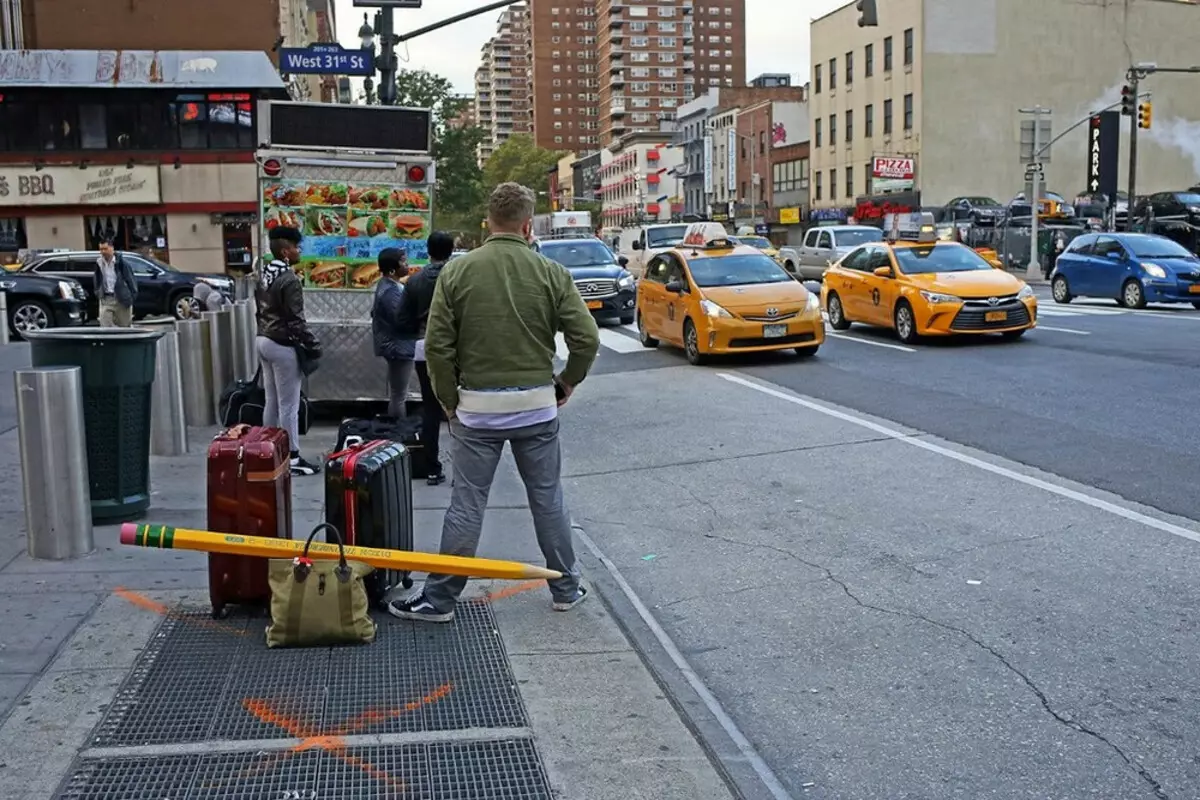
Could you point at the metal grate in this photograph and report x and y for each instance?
(493, 770)
(200, 680)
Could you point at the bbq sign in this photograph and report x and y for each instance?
(1103, 141)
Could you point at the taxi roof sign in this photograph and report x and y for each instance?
(707, 235)
(918, 226)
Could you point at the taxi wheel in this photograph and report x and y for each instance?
(837, 314)
(691, 344)
(646, 339)
(905, 322)
(1132, 295)
(1060, 290)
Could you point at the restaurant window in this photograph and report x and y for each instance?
(236, 232)
(144, 233)
(57, 126)
(12, 239)
(93, 127)
(21, 125)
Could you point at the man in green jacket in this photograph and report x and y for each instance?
(489, 349)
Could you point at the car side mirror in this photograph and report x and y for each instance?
(883, 272)
(676, 287)
(637, 245)
(622, 260)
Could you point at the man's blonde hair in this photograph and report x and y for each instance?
(510, 205)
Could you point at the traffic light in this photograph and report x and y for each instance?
(1128, 100)
(1144, 115)
(868, 17)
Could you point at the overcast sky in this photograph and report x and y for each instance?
(775, 42)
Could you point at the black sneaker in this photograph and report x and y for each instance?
(567, 605)
(418, 609)
(303, 467)
(436, 479)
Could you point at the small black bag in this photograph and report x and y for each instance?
(405, 430)
(243, 403)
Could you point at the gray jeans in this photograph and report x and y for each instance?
(282, 384)
(399, 377)
(475, 454)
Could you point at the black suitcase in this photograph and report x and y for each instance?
(406, 431)
(368, 497)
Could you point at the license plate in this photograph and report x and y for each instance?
(995, 316)
(595, 304)
(1194, 288)
(774, 331)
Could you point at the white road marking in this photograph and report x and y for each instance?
(1054, 312)
(619, 341)
(1093, 310)
(631, 327)
(756, 762)
(1063, 330)
(962, 458)
(848, 338)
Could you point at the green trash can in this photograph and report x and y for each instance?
(118, 375)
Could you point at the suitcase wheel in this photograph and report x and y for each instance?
(220, 612)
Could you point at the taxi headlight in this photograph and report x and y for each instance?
(937, 297)
(625, 282)
(1154, 270)
(713, 310)
(1025, 293)
(813, 304)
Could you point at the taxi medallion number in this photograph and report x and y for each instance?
(1194, 288)
(995, 316)
(595, 304)
(774, 331)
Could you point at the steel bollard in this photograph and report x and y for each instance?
(245, 330)
(168, 423)
(54, 463)
(3, 318)
(195, 367)
(221, 334)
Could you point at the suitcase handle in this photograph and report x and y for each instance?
(302, 564)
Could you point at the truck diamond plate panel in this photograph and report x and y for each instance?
(488, 770)
(200, 680)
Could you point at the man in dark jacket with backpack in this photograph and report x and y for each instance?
(414, 313)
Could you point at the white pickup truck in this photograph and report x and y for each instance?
(647, 241)
(825, 245)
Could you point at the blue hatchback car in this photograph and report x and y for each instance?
(1131, 268)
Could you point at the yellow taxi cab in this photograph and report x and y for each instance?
(711, 296)
(919, 286)
(762, 243)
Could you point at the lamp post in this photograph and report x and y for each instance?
(366, 38)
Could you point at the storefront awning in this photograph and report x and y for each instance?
(129, 69)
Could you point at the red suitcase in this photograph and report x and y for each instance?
(249, 493)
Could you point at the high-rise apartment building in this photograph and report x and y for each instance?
(502, 82)
(564, 83)
(655, 55)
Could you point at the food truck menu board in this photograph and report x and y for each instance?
(346, 225)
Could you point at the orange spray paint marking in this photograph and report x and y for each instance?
(509, 591)
(155, 607)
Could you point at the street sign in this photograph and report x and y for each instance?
(325, 59)
(1103, 142)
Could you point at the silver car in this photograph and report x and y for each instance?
(825, 245)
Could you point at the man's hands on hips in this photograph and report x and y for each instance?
(567, 390)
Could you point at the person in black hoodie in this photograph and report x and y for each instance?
(286, 346)
(414, 313)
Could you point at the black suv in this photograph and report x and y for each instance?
(1170, 206)
(36, 303)
(162, 289)
(600, 275)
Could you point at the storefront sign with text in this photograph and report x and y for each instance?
(72, 186)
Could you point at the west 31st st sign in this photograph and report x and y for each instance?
(325, 59)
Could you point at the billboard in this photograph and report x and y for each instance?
(893, 174)
(731, 163)
(708, 164)
(789, 123)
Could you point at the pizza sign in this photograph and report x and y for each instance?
(899, 169)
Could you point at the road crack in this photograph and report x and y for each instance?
(1058, 717)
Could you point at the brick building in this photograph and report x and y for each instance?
(762, 129)
(502, 100)
(563, 84)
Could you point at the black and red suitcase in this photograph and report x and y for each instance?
(250, 494)
(368, 497)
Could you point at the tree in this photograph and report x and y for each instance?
(520, 160)
(460, 190)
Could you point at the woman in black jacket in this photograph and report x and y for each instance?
(286, 347)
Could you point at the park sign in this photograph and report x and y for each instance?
(325, 59)
(1103, 141)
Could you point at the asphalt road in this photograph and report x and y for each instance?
(883, 596)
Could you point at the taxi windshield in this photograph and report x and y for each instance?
(579, 253)
(736, 270)
(668, 236)
(761, 242)
(938, 258)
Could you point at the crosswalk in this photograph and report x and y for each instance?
(1052, 309)
(620, 339)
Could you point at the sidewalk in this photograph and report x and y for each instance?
(116, 683)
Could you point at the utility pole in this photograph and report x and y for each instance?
(753, 193)
(1131, 92)
(1034, 171)
(385, 26)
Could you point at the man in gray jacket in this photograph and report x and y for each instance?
(392, 344)
(116, 288)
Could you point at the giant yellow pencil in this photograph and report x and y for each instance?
(165, 537)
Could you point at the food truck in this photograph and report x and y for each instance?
(355, 180)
